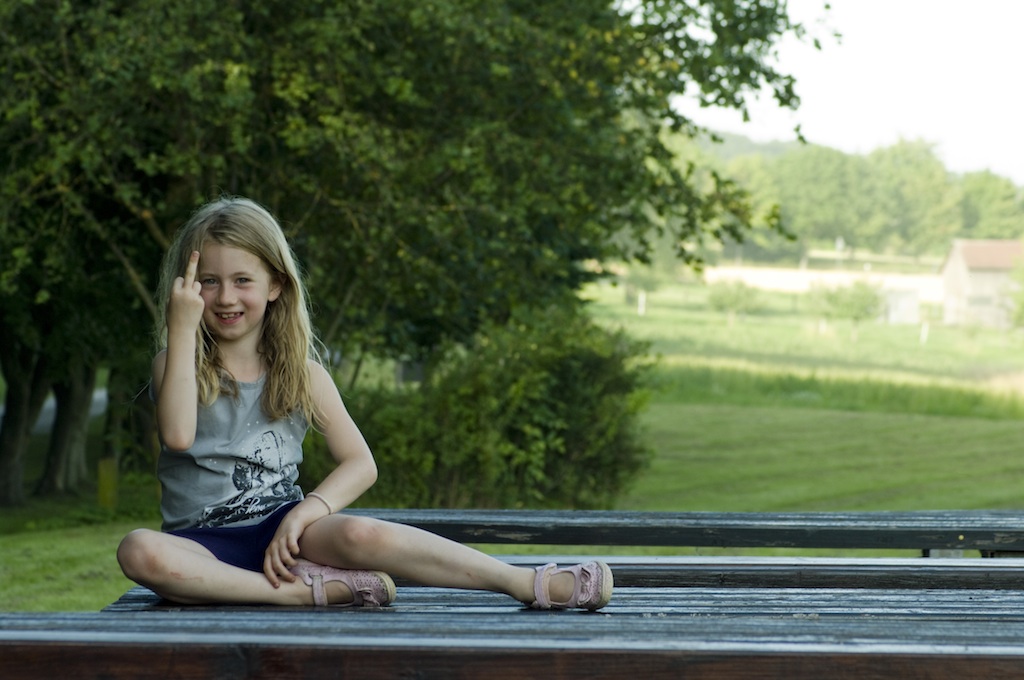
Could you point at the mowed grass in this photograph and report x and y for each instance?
(762, 459)
(774, 412)
(777, 411)
(783, 336)
(62, 569)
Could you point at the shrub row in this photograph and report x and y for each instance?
(540, 412)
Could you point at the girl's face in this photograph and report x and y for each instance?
(236, 287)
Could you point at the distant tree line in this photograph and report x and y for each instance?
(896, 200)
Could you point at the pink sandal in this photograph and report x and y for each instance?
(593, 588)
(369, 588)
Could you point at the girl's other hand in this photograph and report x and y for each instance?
(185, 306)
(283, 549)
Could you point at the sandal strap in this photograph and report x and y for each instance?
(343, 575)
(319, 592)
(542, 585)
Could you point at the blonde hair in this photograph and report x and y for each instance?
(288, 340)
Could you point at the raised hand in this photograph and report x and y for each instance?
(185, 306)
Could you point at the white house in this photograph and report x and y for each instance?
(977, 281)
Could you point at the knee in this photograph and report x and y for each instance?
(363, 534)
(139, 554)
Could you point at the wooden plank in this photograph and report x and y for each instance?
(255, 661)
(880, 604)
(1001, 531)
(801, 572)
(758, 572)
(644, 632)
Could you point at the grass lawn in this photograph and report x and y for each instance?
(62, 569)
(774, 412)
(728, 458)
(782, 337)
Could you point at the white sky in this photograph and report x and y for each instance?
(944, 71)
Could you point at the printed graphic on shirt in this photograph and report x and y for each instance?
(263, 480)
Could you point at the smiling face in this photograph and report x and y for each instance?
(236, 287)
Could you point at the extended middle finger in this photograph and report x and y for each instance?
(190, 269)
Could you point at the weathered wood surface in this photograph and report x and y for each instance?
(643, 633)
(982, 530)
(763, 572)
(722, 617)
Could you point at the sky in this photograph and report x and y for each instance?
(943, 71)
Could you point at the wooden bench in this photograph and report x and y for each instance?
(724, 617)
(989, 532)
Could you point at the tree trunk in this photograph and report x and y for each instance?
(115, 426)
(129, 432)
(13, 438)
(24, 371)
(66, 466)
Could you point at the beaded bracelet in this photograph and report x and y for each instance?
(314, 494)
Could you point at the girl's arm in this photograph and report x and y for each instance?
(174, 371)
(356, 472)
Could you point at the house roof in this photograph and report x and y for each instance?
(1001, 254)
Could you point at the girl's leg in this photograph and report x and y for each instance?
(184, 571)
(351, 542)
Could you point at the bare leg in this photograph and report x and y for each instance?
(351, 542)
(184, 571)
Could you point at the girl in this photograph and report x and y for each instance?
(236, 386)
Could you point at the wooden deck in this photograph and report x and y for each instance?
(645, 633)
(670, 617)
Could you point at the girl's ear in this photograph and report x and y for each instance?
(276, 285)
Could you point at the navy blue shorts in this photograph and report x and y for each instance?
(240, 546)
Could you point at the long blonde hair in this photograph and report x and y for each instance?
(288, 340)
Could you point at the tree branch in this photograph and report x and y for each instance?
(133, 275)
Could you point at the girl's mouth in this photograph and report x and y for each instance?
(230, 318)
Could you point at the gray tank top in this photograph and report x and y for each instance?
(241, 467)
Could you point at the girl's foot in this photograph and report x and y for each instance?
(368, 588)
(592, 589)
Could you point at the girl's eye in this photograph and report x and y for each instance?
(209, 282)
(243, 280)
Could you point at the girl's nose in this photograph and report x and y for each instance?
(226, 295)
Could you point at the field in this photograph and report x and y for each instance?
(777, 412)
(772, 411)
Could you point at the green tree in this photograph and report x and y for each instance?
(827, 196)
(733, 298)
(514, 166)
(88, 197)
(918, 198)
(991, 207)
(860, 301)
(758, 175)
(436, 165)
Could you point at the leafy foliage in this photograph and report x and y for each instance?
(896, 200)
(992, 207)
(540, 412)
(436, 165)
(860, 301)
(857, 302)
(732, 297)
